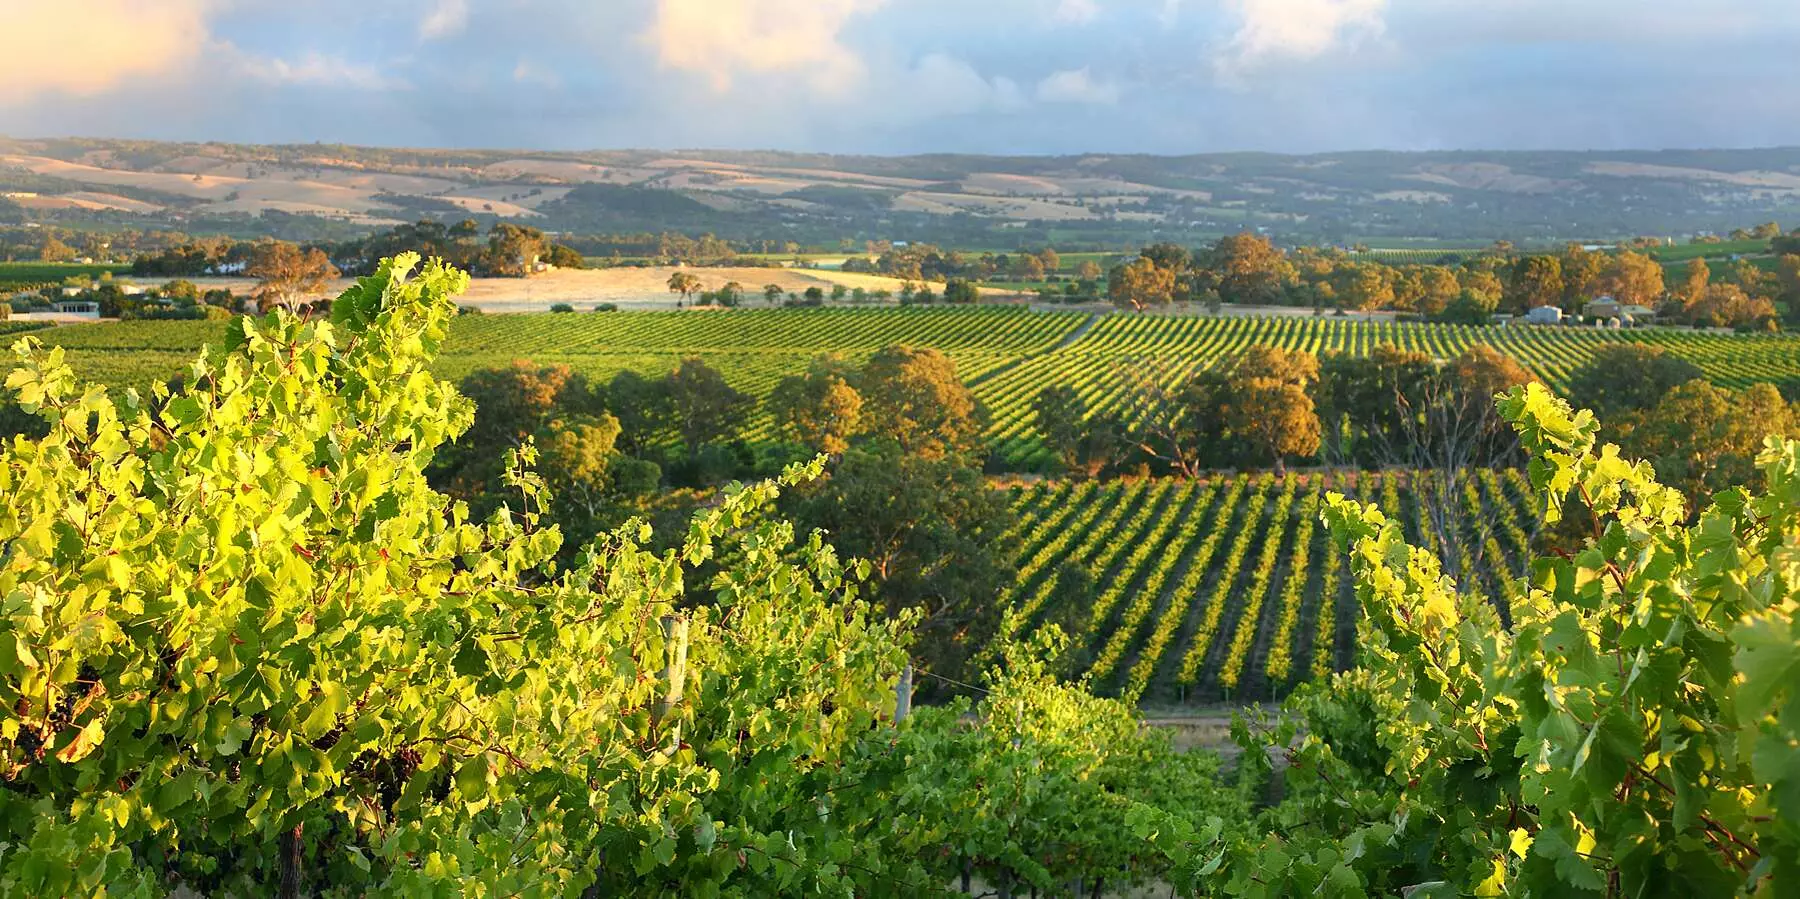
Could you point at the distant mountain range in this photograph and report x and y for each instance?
(1382, 198)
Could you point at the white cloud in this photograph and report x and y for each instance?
(1077, 86)
(447, 18)
(87, 47)
(317, 69)
(942, 85)
(527, 72)
(1273, 30)
(722, 39)
(1076, 12)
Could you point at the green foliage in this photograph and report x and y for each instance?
(236, 615)
(1631, 732)
(1037, 785)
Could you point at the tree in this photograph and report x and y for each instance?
(1694, 285)
(1088, 270)
(915, 402)
(1582, 275)
(1060, 414)
(1084, 444)
(729, 296)
(1052, 261)
(1362, 401)
(1536, 281)
(180, 290)
(1703, 439)
(703, 408)
(1438, 289)
(930, 530)
(1267, 402)
(959, 290)
(685, 283)
(1751, 278)
(55, 250)
(1247, 268)
(562, 256)
(821, 408)
(1365, 287)
(1468, 308)
(513, 404)
(1170, 257)
(1633, 279)
(288, 275)
(772, 293)
(1620, 377)
(588, 476)
(1026, 267)
(1727, 305)
(1140, 284)
(514, 250)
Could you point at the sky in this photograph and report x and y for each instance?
(910, 76)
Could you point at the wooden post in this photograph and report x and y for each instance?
(289, 851)
(674, 672)
(903, 694)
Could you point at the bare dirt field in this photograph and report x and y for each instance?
(631, 288)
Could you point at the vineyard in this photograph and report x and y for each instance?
(1416, 255)
(1228, 589)
(1006, 354)
(24, 276)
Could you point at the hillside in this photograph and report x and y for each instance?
(1397, 198)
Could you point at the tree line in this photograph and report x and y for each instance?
(504, 250)
(905, 488)
(1249, 269)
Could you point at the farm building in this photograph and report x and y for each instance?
(1627, 313)
(1544, 315)
(83, 308)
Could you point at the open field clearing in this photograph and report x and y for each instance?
(625, 287)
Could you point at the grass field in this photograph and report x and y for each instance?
(1721, 250)
(1006, 354)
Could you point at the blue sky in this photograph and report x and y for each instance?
(906, 76)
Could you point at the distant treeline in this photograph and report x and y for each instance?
(505, 250)
(1747, 292)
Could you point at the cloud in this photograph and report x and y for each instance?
(527, 72)
(1076, 12)
(1273, 30)
(942, 85)
(722, 39)
(1077, 86)
(319, 70)
(87, 47)
(447, 18)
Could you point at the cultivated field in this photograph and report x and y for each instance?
(1006, 354)
(1226, 589)
(1222, 589)
(626, 287)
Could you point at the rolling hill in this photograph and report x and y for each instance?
(968, 200)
